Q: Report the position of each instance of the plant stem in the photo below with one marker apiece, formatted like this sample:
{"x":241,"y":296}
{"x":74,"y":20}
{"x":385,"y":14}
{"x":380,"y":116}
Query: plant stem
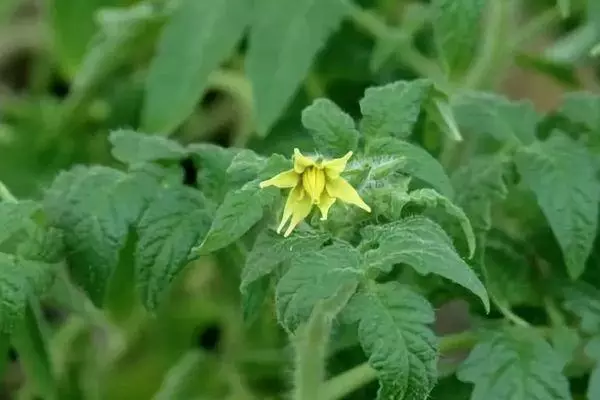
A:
{"x":347,"y":382}
{"x":493,"y":46}
{"x":311,"y":347}
{"x":374,"y":26}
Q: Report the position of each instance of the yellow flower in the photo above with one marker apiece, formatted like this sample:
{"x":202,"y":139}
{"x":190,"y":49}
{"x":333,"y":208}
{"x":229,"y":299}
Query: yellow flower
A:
{"x":313,"y":183}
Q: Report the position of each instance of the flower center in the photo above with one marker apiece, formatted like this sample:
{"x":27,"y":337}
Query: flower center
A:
{"x":313,"y":180}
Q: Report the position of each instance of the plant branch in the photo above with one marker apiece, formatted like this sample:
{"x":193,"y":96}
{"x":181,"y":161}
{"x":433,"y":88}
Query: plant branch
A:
{"x":347,"y":382}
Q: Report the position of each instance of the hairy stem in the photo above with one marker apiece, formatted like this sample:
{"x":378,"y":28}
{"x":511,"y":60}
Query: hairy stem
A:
{"x":311,"y":346}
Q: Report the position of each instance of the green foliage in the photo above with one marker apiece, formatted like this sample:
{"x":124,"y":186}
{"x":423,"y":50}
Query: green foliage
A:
{"x":515,"y":364}
{"x":393,"y":331}
{"x":423,"y":245}
{"x":186,"y":55}
{"x":562,"y":175}
{"x":457,"y":26}
{"x":139,"y":256}
{"x":277,"y":68}
{"x":332,"y":129}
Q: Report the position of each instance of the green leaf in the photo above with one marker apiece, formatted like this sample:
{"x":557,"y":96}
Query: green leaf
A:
{"x":20,"y":279}
{"x":198,"y":37}
{"x":333,"y":131}
{"x":132,"y":147}
{"x":478,"y":185}
{"x":509,"y":275}
{"x":212,"y":162}
{"x":565,"y":341}
{"x":457,"y":27}
{"x":564,"y":6}
{"x":15,"y":217}
{"x":483,"y":113}
{"x":180,"y":380}
{"x":582,"y":108}
{"x":277,"y":67}
{"x":393,"y":109}
{"x":583,"y":300}
{"x":313,"y":277}
{"x":562,"y":175}
{"x":592,"y":350}
{"x":73,"y":27}
{"x":30,"y":340}
{"x":516,"y":364}
{"x":95,"y":208}
{"x":245,"y":166}
{"x":422,"y":244}
{"x":393,"y":331}
{"x":417,"y":162}
{"x":121,"y":40}
{"x":254,"y":297}
{"x":271,"y":249}
{"x":432,"y":199}
{"x":240,"y":210}
{"x":171,"y":225}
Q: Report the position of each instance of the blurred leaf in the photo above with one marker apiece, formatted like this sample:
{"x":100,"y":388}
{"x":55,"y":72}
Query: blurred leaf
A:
{"x":15,"y":217}
{"x":478,"y":185}
{"x":271,"y":249}
{"x":417,"y":162}
{"x":313,"y":277}
{"x":509,"y":276}
{"x":116,"y":46}
{"x":254,"y":297}
{"x":132,"y":147}
{"x":582,"y":108}
{"x":422,"y":244}
{"x":30,"y":340}
{"x":173,"y":222}
{"x":178,"y":382}
{"x":562,"y":175}
{"x":561,"y":72}
{"x":564,"y":6}
{"x":565,"y":341}
{"x":393,"y":109}
{"x":198,"y":37}
{"x":95,"y":207}
{"x":517,"y":364}
{"x":240,"y":210}
{"x":583,"y":300}
{"x":277,"y":67}
{"x":333,"y":131}
{"x":394,"y":333}
{"x":457,"y":30}
{"x":592,"y":350}
{"x":482,"y":113}
{"x":73,"y":26}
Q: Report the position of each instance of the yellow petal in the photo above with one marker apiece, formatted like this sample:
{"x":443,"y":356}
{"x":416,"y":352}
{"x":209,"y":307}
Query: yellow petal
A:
{"x":342,"y":190}
{"x":301,"y":162}
{"x":333,"y":168}
{"x":300,"y":210}
{"x":325,"y":204}
{"x":283,"y":180}
{"x":313,"y":181}
{"x":295,"y":195}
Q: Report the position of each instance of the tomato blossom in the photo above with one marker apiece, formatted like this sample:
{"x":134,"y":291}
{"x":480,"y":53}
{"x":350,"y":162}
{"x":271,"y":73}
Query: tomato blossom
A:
{"x":313,"y":182}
